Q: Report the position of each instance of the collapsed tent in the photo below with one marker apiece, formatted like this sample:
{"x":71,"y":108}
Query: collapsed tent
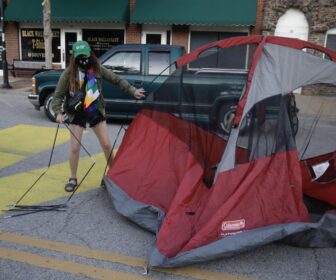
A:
{"x":210,"y":191}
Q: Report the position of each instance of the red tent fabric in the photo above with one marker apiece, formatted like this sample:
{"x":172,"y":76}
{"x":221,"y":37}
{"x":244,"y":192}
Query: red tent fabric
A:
{"x":208,"y":194}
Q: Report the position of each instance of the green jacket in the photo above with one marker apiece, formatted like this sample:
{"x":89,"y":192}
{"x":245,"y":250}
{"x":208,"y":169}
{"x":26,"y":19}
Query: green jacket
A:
{"x":62,"y":90}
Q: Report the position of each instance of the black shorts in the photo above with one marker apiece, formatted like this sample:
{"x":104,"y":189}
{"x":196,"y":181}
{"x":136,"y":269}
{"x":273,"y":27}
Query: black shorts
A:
{"x":92,"y":118}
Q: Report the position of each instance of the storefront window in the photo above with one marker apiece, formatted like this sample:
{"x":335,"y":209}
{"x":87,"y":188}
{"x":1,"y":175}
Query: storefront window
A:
{"x":331,"y":41}
{"x":101,"y":40}
{"x":231,"y":58}
{"x":32,"y":45}
{"x":153,"y":39}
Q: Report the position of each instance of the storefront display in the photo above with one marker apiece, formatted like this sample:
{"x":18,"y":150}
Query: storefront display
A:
{"x":32,"y":44}
{"x":102,"y":40}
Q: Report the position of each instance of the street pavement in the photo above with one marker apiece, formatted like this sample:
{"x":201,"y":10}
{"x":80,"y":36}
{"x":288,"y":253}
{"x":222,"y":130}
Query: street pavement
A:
{"x":90,"y":240}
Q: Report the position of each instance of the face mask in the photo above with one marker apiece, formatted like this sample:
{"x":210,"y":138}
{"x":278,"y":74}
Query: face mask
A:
{"x":84,"y":62}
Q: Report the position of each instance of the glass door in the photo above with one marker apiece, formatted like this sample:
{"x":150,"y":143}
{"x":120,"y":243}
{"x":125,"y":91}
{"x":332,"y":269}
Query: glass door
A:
{"x":68,"y":38}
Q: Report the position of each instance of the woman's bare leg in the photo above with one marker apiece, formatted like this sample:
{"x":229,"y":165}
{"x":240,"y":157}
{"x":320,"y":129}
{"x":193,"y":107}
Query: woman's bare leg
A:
{"x":75,"y":148}
{"x":101,"y":132}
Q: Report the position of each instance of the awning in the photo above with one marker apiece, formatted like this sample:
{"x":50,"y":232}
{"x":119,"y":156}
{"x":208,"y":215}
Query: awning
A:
{"x":195,"y":12}
{"x":69,"y":11}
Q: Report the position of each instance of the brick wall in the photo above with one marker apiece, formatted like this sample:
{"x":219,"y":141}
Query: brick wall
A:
{"x":133,"y":31}
{"x":257,"y":29}
{"x":133,"y":34}
{"x":320,"y":15}
{"x":12,"y":42}
{"x":180,"y":35}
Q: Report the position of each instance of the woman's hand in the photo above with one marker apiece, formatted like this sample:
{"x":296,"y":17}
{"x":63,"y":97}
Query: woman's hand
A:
{"x":139,"y":93}
{"x":60,"y":118}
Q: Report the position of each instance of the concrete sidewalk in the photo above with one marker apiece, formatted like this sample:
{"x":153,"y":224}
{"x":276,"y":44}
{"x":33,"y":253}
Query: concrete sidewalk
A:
{"x":311,"y":105}
{"x":18,"y":85}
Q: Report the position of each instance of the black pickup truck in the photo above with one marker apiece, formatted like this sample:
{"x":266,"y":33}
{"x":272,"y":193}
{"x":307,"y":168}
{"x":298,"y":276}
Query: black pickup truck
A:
{"x":217,"y":90}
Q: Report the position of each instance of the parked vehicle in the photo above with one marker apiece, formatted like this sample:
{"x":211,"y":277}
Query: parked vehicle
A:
{"x":218,"y":90}
{"x":139,"y":64}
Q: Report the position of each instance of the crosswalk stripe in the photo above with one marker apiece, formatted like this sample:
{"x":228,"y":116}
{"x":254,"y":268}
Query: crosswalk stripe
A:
{"x":8,"y":159}
{"x":51,"y":185}
{"x":21,"y":141}
{"x":50,"y":188}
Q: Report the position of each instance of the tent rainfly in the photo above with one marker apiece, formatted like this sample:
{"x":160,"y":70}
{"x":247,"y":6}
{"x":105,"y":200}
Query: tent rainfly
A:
{"x":208,"y":194}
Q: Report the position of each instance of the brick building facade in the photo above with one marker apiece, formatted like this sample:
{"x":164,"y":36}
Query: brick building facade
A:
{"x":319,"y":18}
{"x":320,"y":15}
{"x":133,"y":32}
{"x":311,"y":20}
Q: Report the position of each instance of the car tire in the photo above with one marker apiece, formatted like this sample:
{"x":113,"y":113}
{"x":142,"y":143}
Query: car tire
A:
{"x":225,"y":117}
{"x":47,"y":107}
{"x":293,"y":114}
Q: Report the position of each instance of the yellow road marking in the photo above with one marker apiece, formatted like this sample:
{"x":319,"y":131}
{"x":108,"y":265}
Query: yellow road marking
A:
{"x":8,"y":159}
{"x":24,"y":140}
{"x":13,"y":148}
{"x":66,"y":266}
{"x":114,"y":257}
{"x":51,"y":185}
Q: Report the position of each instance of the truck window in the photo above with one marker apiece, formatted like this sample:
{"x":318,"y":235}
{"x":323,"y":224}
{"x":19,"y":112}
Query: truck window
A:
{"x":230,"y":58}
{"x":157,"y":62}
{"x":124,"y":62}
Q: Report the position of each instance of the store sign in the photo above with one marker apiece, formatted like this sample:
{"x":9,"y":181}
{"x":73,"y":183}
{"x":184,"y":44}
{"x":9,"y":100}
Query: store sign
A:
{"x":32,"y":44}
{"x":102,"y":40}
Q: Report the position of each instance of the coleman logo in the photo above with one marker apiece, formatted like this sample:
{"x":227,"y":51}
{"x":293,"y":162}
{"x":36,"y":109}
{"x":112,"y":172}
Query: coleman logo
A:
{"x":233,"y":225}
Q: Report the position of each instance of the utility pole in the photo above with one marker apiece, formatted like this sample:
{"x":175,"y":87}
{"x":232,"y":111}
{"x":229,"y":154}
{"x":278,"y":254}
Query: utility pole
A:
{"x":47,"y":33}
{"x":4,"y":55}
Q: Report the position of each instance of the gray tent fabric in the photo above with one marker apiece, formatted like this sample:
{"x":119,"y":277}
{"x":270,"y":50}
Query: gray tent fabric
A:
{"x":321,"y":234}
{"x":146,"y":216}
{"x":280,"y":70}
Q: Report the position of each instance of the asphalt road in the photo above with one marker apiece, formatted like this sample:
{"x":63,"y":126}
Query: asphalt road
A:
{"x":90,"y":240}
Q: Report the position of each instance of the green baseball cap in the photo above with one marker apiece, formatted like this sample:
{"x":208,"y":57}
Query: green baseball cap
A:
{"x":81,"y":48}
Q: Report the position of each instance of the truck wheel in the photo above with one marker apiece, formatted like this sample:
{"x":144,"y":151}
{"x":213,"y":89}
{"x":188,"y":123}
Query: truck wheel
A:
{"x":225,"y":117}
{"x":295,"y":124}
{"x":293,"y":114}
{"x":47,"y":108}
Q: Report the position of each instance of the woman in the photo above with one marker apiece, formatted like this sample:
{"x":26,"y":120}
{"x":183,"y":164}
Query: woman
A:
{"x":85,"y":74}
